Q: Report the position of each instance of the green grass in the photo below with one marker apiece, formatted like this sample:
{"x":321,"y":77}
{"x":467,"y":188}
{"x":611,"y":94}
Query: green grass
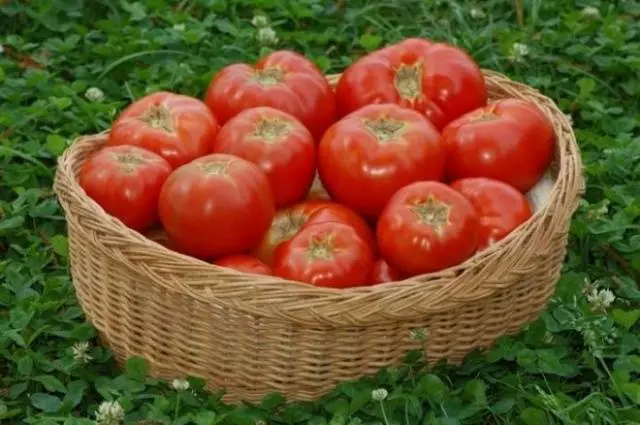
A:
{"x":578,"y":364}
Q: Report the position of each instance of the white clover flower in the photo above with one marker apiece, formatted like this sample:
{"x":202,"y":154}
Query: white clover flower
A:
{"x":569,"y":118}
{"x":109,"y":413}
{"x":180,"y":384}
{"x":1,"y":49}
{"x":80,"y":352}
{"x":601,"y":299}
{"x":260,"y":21}
{"x":179,"y":27}
{"x":418,"y":334}
{"x":590,"y":12}
{"x":94,"y":94}
{"x":477,"y":13}
{"x":379,"y":394}
{"x":518,"y":52}
{"x":267,"y":36}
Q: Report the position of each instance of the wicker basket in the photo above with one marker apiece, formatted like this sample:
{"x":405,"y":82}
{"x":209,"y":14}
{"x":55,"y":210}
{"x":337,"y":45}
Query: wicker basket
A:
{"x":256,"y":334}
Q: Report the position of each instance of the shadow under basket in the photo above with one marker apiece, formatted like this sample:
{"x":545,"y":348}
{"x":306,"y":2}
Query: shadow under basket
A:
{"x":252,"y":335}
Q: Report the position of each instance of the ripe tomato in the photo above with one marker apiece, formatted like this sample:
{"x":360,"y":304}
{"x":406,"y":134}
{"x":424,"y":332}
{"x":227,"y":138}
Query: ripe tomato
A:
{"x":179,"y":128}
{"x":510,"y":140}
{"x":279,"y":144}
{"x":325,"y":254}
{"x":284,"y":80}
{"x":216,"y":205}
{"x":425,"y":227}
{"x":438,"y":80}
{"x":288,"y":222}
{"x":126,"y":182}
{"x":244,"y":263}
{"x":381,"y":272}
{"x":367,"y":156}
{"x":500,"y":207}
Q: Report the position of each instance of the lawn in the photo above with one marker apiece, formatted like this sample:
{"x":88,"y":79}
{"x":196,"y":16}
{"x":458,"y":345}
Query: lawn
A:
{"x":68,"y":66}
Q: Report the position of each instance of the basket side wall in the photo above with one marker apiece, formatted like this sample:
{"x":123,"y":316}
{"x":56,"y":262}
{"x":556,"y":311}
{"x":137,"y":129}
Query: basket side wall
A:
{"x":250,"y":356}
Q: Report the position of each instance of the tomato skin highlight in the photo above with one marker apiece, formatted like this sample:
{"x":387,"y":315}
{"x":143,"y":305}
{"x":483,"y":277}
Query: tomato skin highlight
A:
{"x":510,"y":140}
{"x":364,"y":158}
{"x":217,"y":205}
{"x":179,"y":128}
{"x":438,"y":80}
{"x":289,"y":221}
{"x":278,"y":143}
{"x":381,"y":272}
{"x":284,"y":80}
{"x":426,"y":227}
{"x":244,"y":263}
{"x":126,"y":182}
{"x":325,"y":254}
{"x":501,"y":208}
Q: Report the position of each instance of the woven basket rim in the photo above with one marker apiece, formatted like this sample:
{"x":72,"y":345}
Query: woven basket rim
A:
{"x":273,"y":297}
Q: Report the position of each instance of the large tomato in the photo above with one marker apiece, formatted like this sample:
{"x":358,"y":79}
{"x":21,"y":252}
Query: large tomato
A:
{"x":381,"y":272}
{"x":216,"y":205}
{"x":510,"y":140}
{"x":179,"y":128}
{"x":438,"y":80}
{"x":244,"y":263}
{"x":126,"y":181}
{"x":425,"y":227}
{"x":288,"y":222}
{"x":500,"y":207}
{"x":367,"y":156}
{"x":279,"y":144}
{"x":325,"y":254}
{"x":284,"y":80}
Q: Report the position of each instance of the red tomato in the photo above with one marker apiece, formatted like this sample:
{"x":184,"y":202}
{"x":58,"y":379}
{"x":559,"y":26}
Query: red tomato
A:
{"x":244,"y":263}
{"x":325,"y":254}
{"x":216,"y":205}
{"x":438,"y":80}
{"x":179,"y":128}
{"x":126,"y":182}
{"x":500,"y":207}
{"x":367,"y":156}
{"x":288,"y":222}
{"x":381,"y":272}
{"x":510,"y":140}
{"x":425,"y":227}
{"x":284,"y":80}
{"x":279,"y":144}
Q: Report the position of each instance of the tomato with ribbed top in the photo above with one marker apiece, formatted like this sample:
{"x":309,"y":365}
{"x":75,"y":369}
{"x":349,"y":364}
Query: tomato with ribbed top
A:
{"x":325,"y":254}
{"x":501,"y":208}
{"x":283,"y":80}
{"x":440,"y":81}
{"x":217,"y":205}
{"x":279,"y":144}
{"x":364,"y":158}
{"x":177,"y":127}
{"x":426,"y":227}
{"x":126,"y":182}
{"x":510,"y":140}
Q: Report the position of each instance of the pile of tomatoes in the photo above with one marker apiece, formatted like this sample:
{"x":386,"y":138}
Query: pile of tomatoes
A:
{"x":418,"y":171}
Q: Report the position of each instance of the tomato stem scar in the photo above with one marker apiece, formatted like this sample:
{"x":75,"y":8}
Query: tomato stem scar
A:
{"x":432,"y":212}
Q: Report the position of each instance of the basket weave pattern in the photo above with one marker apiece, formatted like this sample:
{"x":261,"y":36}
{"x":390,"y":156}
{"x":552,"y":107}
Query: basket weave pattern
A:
{"x":257,"y":334}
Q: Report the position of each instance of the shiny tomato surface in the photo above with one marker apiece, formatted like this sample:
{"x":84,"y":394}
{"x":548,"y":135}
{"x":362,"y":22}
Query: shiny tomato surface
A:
{"x":277,"y":143}
{"x":283,"y":80}
{"x":501,"y":208}
{"x":126,"y":182}
{"x":364,"y":158}
{"x":217,"y":205}
{"x":510,"y":140}
{"x":438,"y":80}
{"x":426,"y":227}
{"x":179,"y":128}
